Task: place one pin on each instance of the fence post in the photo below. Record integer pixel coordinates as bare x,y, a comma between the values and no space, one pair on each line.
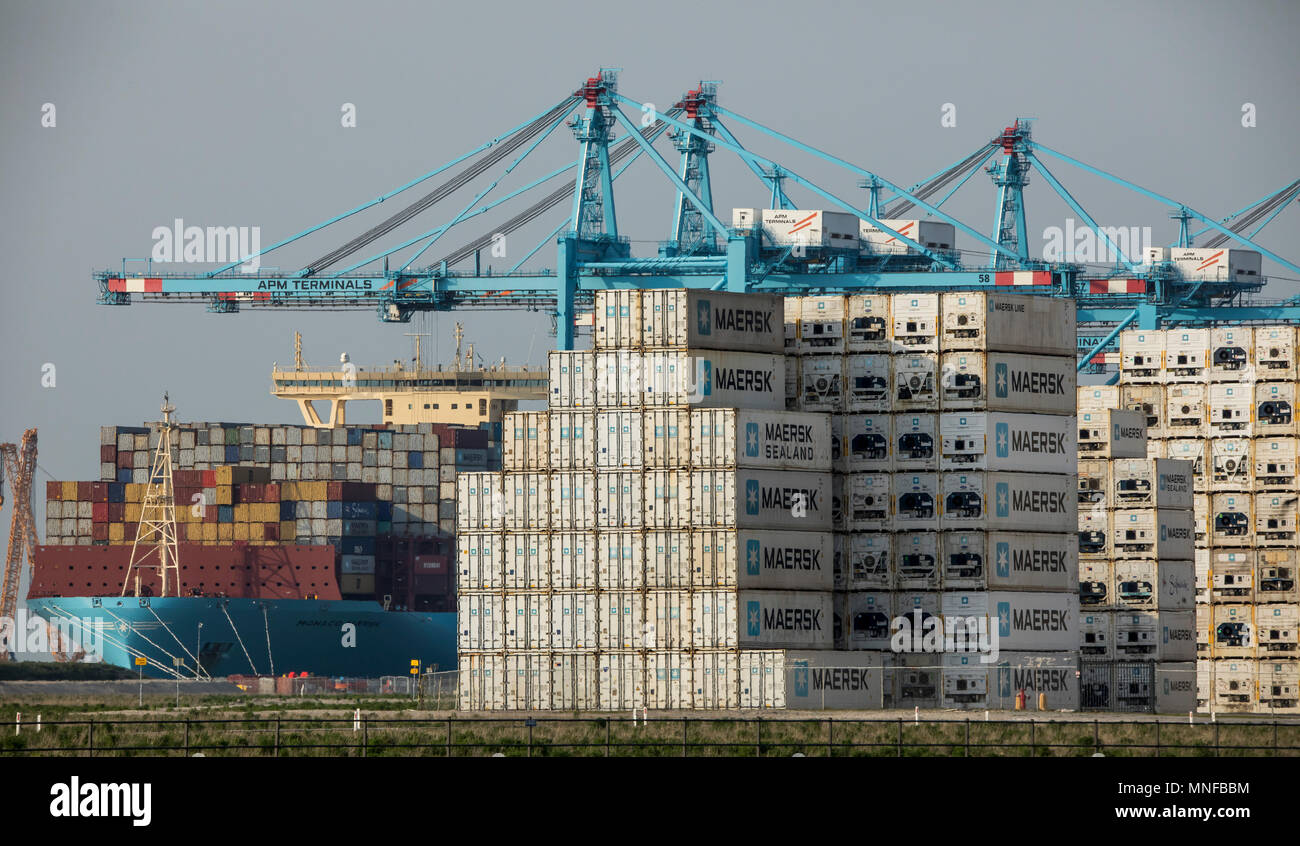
968,737
365,736
277,735
187,737
830,737
90,739
1157,737
531,723
1275,735
1216,738
758,738
900,737
1096,735
607,722
449,737
685,754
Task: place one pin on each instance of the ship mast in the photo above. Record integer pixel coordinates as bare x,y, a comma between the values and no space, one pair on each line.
157,529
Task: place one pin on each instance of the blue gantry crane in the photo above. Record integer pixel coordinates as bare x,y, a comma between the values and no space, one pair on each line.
704,252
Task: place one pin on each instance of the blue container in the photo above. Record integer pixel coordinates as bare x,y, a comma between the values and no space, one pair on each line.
232,453
358,546
403,515
354,437
360,511
288,509
383,528
124,476
116,492
383,510
335,542
415,460
334,510
471,459
385,440
225,513
360,528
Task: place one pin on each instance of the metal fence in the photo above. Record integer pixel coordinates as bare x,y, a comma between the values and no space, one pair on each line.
657,736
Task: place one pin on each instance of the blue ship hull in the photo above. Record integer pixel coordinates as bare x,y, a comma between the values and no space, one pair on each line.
352,638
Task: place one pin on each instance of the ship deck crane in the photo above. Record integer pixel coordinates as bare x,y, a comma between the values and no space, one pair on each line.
592,253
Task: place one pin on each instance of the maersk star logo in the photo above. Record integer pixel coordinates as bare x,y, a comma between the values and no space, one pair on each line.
1003,559
1002,440
801,678
753,556
1004,681
754,617
1004,619
703,318
751,440
1000,380
1164,532
1002,498
1114,430
751,496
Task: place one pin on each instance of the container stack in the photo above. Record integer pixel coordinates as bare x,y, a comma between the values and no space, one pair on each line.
1136,571
953,485
383,497
660,536
1229,398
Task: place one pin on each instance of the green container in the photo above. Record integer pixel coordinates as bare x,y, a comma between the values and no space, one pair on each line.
232,437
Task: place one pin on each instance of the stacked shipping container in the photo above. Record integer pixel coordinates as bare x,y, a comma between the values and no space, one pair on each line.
954,420
1224,398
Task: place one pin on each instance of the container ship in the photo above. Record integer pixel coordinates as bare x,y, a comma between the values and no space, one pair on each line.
217,549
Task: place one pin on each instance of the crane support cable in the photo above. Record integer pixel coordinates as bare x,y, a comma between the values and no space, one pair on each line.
1256,214
442,191
621,151
937,184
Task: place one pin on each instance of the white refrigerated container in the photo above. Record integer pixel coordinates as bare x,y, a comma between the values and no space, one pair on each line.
760,499
995,322
1008,382
1033,443
680,318
777,440
572,378
867,326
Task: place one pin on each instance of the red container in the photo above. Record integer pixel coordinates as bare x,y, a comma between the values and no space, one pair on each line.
125,460
99,491
99,531
99,514
333,491
116,512
53,491
108,453
271,492
209,478
85,490
271,531
249,492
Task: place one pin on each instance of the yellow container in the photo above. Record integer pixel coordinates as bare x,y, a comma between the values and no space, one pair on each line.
241,513
315,490
241,531
288,490
117,532
288,530
131,512
224,496
69,491
134,493
224,477
209,532
225,531
270,512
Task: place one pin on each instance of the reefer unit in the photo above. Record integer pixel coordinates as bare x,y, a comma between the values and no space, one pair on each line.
867,380
679,318
1233,633
1279,685
1008,382
714,379
914,441
915,501
1142,356
1166,585
916,322
1150,400
931,234
1275,409
1231,464
761,499
1009,561
866,619
1231,409
1096,583
1025,620
776,440
1155,635
1276,627
988,322
1231,684
1033,443
821,383
1232,351
572,378
1098,397
867,442
760,559
915,377
867,327
821,323
1112,433
1191,451
1275,576
1097,634
1187,410
1015,502
1232,519
1275,353
865,560
813,229
916,560
1187,355
1225,575
1151,483
1152,533
1275,518
865,500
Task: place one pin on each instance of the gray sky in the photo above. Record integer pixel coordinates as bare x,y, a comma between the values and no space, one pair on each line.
229,114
